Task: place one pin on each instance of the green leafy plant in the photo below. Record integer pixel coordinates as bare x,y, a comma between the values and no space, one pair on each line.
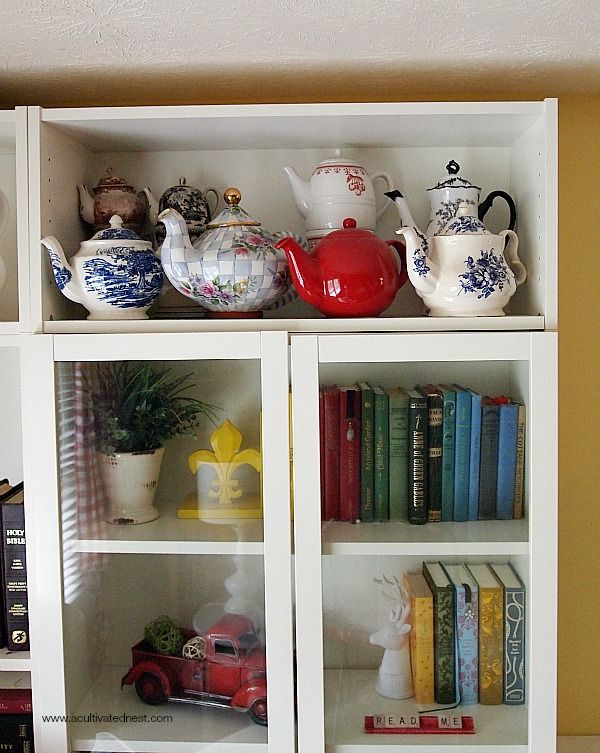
137,407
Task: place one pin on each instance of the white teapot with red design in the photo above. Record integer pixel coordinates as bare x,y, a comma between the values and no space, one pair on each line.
338,188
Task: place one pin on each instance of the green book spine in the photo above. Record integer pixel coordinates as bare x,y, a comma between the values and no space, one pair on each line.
417,463
435,413
381,485
448,444
367,478
444,637
398,415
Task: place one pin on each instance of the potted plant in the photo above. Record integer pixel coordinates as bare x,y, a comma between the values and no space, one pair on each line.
136,409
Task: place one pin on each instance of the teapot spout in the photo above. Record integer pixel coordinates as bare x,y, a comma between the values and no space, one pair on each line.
300,190
304,270
176,248
152,205
406,217
86,204
63,274
422,271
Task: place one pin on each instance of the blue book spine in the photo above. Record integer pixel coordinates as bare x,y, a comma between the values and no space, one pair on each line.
448,441
462,453
467,618
507,460
475,456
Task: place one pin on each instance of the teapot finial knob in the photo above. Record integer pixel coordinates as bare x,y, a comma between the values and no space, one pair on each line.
116,221
338,152
349,223
232,196
452,167
182,181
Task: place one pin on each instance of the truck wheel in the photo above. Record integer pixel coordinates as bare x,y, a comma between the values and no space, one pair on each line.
149,688
258,712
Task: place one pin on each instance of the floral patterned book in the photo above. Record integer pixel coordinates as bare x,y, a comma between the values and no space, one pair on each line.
444,632
467,632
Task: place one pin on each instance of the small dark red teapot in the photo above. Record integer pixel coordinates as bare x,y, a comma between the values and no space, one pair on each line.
351,272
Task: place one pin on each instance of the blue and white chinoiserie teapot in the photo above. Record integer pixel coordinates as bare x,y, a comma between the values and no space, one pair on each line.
114,274
233,269
464,270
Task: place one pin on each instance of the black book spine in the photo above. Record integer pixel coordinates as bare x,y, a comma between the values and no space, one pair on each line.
417,465
488,469
435,415
15,576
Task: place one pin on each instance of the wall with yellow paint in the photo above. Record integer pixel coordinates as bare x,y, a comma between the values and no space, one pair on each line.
579,317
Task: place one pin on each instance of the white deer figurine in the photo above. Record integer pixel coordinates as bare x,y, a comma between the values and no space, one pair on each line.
394,679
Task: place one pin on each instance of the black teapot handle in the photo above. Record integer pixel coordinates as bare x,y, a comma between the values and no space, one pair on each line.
486,204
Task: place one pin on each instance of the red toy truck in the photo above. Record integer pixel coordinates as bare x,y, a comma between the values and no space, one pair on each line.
228,670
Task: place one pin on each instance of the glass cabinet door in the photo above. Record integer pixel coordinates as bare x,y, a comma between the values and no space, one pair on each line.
371,658
175,575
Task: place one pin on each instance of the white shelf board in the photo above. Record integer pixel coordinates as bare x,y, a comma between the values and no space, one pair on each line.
350,696
193,727
169,534
14,661
297,125
482,537
9,329
324,325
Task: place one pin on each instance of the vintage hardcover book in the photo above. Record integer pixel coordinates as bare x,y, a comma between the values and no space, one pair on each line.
435,413
514,634
507,460
443,630
5,487
321,448
331,444
349,454
520,464
14,568
417,458
448,443
381,449
16,733
491,634
398,419
422,658
475,456
462,454
467,632
367,477
488,469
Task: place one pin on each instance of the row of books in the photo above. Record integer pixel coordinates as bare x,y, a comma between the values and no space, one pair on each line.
435,453
16,718
14,612
467,636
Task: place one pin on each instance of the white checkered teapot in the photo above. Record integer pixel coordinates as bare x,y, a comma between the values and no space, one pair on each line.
232,269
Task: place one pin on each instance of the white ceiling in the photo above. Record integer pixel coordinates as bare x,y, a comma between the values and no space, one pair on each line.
115,43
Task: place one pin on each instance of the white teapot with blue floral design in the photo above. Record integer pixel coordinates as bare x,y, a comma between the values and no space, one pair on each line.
464,270
115,274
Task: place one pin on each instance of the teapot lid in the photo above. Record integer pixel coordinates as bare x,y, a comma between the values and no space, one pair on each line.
116,231
337,161
453,180
464,223
110,180
232,214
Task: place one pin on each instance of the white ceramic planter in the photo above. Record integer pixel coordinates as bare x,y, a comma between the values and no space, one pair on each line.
130,480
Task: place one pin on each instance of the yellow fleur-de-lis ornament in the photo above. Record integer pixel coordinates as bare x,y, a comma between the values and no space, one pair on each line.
225,458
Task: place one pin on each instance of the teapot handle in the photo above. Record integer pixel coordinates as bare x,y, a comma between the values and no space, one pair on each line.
486,205
218,199
511,256
400,249
385,176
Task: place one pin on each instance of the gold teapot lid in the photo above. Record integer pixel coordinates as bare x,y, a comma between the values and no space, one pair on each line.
232,215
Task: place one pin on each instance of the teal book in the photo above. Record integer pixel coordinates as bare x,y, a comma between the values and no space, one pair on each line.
367,476
381,448
417,458
462,453
448,442
508,415
444,632
488,467
435,414
475,456
398,457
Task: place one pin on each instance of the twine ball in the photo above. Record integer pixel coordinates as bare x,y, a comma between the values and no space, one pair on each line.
164,635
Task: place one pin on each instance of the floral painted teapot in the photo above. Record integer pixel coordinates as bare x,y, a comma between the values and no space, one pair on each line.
191,203
233,269
445,197
115,274
464,270
112,195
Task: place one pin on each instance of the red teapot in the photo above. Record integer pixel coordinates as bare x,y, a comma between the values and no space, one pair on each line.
351,272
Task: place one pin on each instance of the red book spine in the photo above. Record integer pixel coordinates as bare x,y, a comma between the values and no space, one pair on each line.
331,442
15,701
322,448
349,455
